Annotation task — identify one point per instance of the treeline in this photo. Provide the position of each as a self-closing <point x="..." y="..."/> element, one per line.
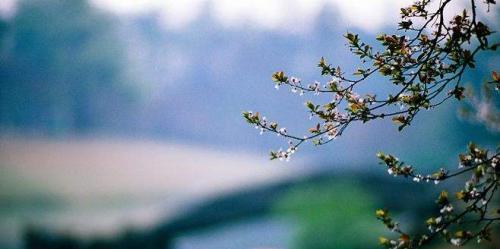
<point x="61" y="68"/>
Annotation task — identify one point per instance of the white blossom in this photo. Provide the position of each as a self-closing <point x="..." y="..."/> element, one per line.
<point x="390" y="171"/>
<point x="446" y="209"/>
<point x="439" y="219"/>
<point x="317" y="87"/>
<point x="295" y="80"/>
<point x="456" y="241"/>
<point x="494" y="162"/>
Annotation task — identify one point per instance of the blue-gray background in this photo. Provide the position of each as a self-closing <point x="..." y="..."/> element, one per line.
<point x="114" y="74"/>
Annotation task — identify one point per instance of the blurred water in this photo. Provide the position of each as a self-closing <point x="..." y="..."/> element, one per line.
<point x="257" y="233"/>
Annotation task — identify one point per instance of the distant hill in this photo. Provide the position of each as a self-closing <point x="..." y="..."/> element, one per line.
<point x="240" y="205"/>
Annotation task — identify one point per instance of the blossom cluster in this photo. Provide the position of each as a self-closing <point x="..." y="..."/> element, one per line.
<point x="425" y="64"/>
<point x="471" y="204"/>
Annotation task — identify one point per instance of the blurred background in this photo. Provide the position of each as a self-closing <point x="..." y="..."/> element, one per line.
<point x="121" y="127"/>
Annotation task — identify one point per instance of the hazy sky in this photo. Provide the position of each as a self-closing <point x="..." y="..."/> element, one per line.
<point x="293" y="15"/>
<point x="265" y="14"/>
